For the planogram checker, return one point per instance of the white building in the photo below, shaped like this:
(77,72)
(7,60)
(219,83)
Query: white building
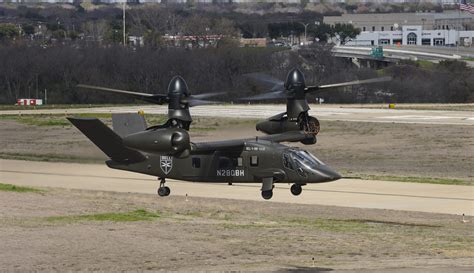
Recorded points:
(414,35)
(391,21)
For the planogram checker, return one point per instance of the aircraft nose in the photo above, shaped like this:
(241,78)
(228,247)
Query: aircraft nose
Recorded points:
(329,173)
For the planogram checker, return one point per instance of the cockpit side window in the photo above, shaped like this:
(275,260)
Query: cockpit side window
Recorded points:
(299,169)
(314,158)
(306,158)
(287,162)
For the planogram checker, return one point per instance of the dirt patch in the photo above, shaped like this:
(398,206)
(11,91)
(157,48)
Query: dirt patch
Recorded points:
(219,234)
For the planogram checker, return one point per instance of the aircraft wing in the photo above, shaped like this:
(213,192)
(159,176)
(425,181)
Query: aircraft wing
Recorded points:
(291,136)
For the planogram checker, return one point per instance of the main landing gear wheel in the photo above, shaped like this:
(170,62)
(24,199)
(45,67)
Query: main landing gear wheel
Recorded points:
(267,194)
(296,189)
(163,190)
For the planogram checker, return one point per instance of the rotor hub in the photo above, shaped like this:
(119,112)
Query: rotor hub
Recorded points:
(295,79)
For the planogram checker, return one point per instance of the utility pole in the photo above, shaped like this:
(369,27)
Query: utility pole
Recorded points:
(123,21)
(37,95)
(305,31)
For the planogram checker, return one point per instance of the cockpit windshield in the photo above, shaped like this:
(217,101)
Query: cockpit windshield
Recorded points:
(305,158)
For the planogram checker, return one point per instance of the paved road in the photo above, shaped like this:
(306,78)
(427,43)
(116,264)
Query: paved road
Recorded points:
(461,51)
(262,111)
(346,192)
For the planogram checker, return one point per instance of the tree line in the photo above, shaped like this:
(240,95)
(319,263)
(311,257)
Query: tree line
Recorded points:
(104,25)
(26,71)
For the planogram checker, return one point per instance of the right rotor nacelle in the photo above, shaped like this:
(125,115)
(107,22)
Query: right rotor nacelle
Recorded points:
(280,124)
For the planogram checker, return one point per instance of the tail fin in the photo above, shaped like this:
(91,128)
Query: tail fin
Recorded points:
(128,123)
(107,140)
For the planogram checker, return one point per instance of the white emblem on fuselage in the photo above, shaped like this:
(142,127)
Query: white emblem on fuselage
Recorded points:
(166,163)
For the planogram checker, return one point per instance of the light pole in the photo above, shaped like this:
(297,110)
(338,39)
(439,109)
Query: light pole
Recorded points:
(305,31)
(123,21)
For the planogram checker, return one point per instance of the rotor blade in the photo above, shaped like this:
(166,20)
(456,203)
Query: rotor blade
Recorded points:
(206,95)
(265,78)
(278,87)
(114,90)
(281,94)
(196,102)
(335,85)
(154,98)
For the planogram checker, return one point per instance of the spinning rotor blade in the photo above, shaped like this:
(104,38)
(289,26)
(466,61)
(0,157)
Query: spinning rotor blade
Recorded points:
(154,98)
(335,85)
(281,94)
(265,78)
(206,95)
(197,102)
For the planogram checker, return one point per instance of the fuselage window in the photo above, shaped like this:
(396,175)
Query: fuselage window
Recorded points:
(239,162)
(225,163)
(254,161)
(196,162)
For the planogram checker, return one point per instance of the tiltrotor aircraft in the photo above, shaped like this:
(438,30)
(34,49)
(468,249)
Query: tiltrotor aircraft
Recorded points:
(166,151)
(294,90)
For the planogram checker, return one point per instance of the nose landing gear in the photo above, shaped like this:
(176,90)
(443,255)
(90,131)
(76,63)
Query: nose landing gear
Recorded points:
(296,189)
(267,194)
(163,190)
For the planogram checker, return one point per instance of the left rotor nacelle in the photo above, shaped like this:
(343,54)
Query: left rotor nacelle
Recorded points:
(172,141)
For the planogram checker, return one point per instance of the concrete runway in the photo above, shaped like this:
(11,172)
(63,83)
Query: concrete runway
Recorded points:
(261,111)
(346,192)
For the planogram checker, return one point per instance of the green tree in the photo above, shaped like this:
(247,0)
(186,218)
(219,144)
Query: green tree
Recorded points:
(321,31)
(345,32)
(153,39)
(8,31)
(28,29)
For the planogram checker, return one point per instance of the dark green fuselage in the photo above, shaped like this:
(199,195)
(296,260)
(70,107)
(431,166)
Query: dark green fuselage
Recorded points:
(251,163)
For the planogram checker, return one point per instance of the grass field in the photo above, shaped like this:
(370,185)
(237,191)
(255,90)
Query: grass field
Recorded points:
(91,230)
(56,106)
(55,120)
(130,216)
(416,179)
(14,188)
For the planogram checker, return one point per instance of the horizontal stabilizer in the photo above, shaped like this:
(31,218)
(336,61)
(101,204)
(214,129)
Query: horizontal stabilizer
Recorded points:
(107,140)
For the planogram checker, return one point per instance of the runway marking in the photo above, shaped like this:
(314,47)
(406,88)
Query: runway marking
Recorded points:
(245,186)
(423,117)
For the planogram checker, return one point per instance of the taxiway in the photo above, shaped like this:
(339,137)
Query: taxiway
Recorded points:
(448,199)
